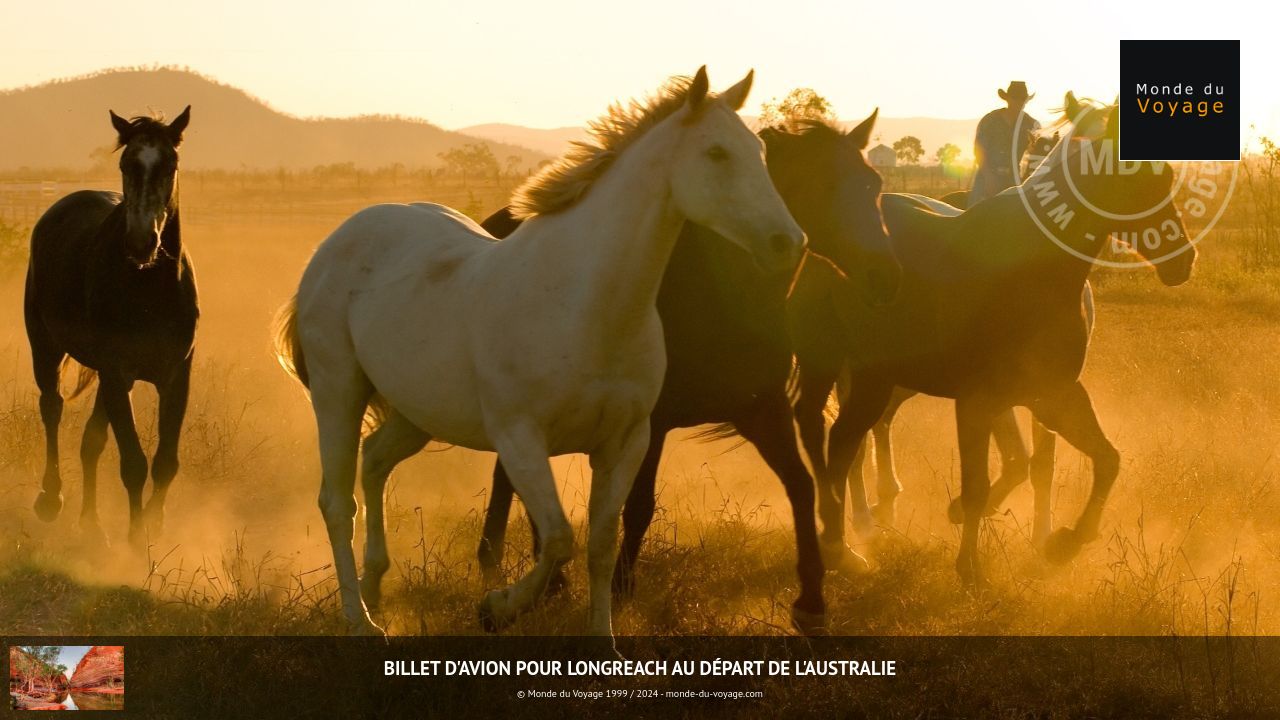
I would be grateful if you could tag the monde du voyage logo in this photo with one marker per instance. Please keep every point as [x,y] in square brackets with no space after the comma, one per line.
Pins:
[1180,100]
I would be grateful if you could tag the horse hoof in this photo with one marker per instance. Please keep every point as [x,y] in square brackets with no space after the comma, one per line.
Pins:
[1062,545]
[970,572]
[48,506]
[955,512]
[93,535]
[864,525]
[138,539]
[841,558]
[558,583]
[491,574]
[808,623]
[492,612]
[885,514]
[371,594]
[365,628]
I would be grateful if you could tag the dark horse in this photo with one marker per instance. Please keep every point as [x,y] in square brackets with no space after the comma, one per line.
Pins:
[990,313]
[111,286]
[1081,119]
[728,347]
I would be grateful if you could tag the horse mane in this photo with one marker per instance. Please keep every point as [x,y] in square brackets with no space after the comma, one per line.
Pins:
[566,180]
[815,127]
[1065,127]
[144,124]
[1065,122]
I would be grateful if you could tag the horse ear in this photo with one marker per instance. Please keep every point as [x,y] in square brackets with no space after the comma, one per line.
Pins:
[1071,106]
[122,126]
[860,136]
[698,89]
[178,125]
[736,96]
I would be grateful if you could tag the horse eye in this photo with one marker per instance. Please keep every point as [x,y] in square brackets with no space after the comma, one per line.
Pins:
[717,153]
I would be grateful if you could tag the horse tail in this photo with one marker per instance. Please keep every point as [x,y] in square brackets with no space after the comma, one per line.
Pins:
[288,349]
[288,345]
[718,431]
[85,378]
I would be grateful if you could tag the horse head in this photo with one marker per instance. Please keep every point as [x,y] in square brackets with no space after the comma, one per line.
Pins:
[719,180]
[835,196]
[1135,199]
[149,171]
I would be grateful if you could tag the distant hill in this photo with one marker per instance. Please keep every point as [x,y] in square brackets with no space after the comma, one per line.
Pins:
[550,141]
[933,134]
[62,123]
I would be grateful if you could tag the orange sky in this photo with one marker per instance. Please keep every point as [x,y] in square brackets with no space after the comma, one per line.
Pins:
[559,62]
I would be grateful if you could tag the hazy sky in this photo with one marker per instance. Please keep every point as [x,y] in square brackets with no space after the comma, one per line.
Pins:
[559,62]
[70,656]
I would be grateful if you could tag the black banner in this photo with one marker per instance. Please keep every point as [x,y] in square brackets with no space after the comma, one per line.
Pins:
[873,677]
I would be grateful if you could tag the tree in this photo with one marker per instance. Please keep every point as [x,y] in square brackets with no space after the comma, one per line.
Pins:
[513,163]
[947,155]
[909,150]
[799,104]
[38,666]
[471,159]
[101,160]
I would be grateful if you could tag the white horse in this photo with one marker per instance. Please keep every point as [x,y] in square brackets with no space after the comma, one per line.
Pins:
[546,343]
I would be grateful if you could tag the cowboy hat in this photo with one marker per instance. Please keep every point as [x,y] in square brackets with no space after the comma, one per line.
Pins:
[1017,91]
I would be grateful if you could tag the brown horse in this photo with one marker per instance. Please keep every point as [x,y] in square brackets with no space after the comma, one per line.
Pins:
[111,286]
[989,314]
[1080,118]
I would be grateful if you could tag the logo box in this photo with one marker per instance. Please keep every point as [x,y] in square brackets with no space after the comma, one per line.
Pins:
[1179,99]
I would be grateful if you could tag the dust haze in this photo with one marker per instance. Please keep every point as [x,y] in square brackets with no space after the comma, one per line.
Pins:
[1186,382]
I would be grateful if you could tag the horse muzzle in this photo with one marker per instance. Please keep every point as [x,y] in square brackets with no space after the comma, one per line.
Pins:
[780,253]
[142,249]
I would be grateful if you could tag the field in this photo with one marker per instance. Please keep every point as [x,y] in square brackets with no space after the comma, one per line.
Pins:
[1186,381]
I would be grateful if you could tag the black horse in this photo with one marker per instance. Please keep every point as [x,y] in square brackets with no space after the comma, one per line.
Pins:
[110,285]
[727,340]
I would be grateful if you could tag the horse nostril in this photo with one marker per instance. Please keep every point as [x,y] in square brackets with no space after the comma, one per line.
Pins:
[781,244]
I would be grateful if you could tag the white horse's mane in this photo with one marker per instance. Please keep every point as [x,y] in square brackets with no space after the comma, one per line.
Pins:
[563,182]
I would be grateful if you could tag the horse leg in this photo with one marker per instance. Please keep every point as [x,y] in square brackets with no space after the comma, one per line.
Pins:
[91,447]
[1070,413]
[1014,465]
[395,440]
[866,404]
[339,398]
[523,451]
[492,538]
[46,362]
[974,419]
[1014,459]
[164,467]
[613,471]
[815,389]
[637,514]
[769,427]
[115,393]
[888,488]
[1045,443]
[496,515]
